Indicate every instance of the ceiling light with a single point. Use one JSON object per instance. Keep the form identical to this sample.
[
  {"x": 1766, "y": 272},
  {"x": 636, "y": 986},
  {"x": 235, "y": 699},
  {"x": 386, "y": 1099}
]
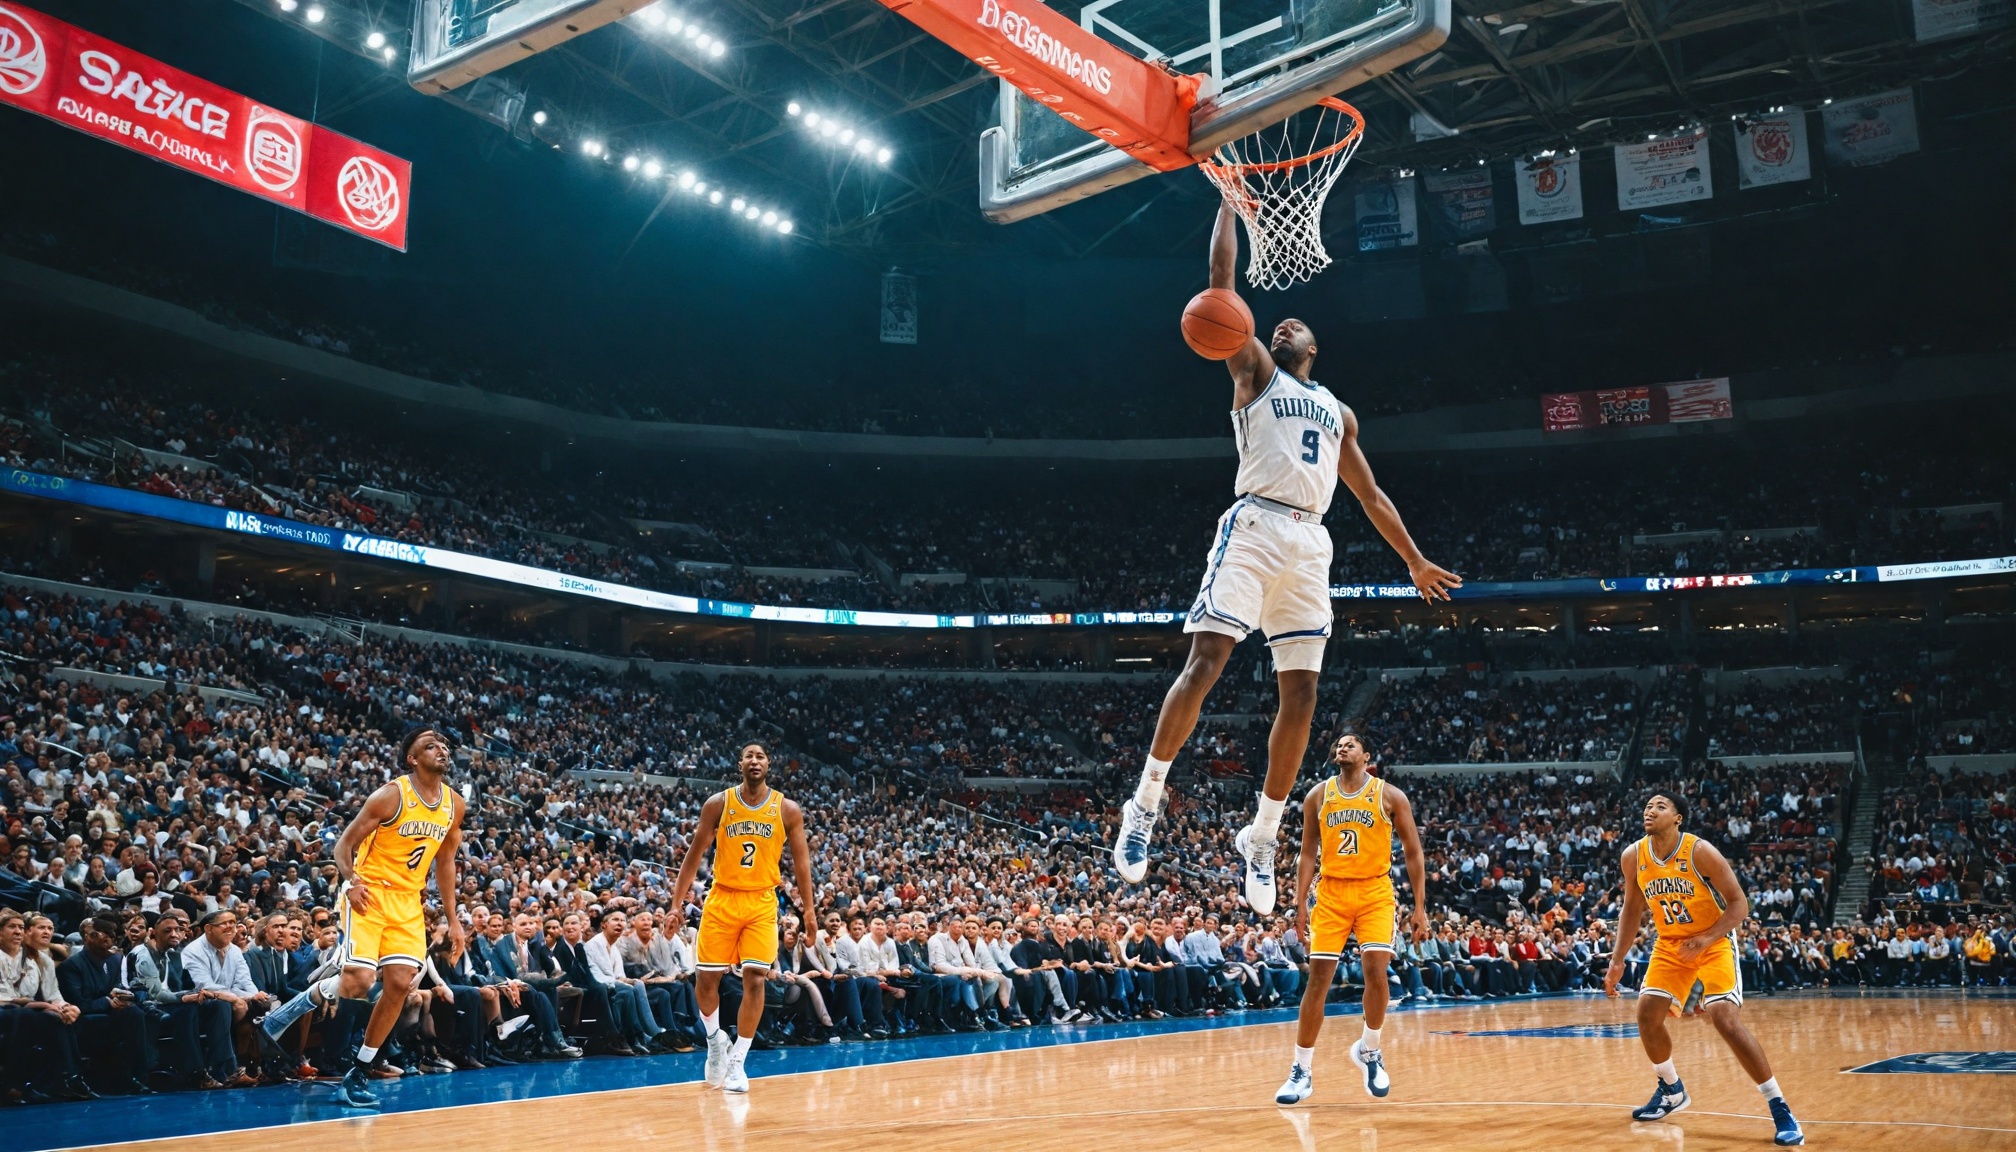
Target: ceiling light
[
  {"x": 685, "y": 179},
  {"x": 738, "y": 204},
  {"x": 829, "y": 128},
  {"x": 864, "y": 146},
  {"x": 714, "y": 197},
  {"x": 769, "y": 217},
  {"x": 784, "y": 226},
  {"x": 390, "y": 52},
  {"x": 289, "y": 5},
  {"x": 539, "y": 117},
  {"x": 592, "y": 147},
  {"x": 375, "y": 41},
  {"x": 1651, "y": 136},
  {"x": 793, "y": 108},
  {"x": 630, "y": 163},
  {"x": 315, "y": 13},
  {"x": 674, "y": 24},
  {"x": 700, "y": 186},
  {"x": 651, "y": 169},
  {"x": 811, "y": 119},
  {"x": 717, "y": 49},
  {"x": 1828, "y": 100},
  {"x": 653, "y": 16},
  {"x": 846, "y": 136},
  {"x": 882, "y": 157},
  {"x": 693, "y": 32}
]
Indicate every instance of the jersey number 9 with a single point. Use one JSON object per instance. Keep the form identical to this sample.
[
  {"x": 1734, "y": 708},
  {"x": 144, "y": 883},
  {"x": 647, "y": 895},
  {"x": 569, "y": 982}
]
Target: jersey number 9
[{"x": 1312, "y": 442}]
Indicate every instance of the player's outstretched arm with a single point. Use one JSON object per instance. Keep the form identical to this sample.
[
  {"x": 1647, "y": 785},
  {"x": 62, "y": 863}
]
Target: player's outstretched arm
[
  {"x": 801, "y": 858},
  {"x": 1433, "y": 583},
  {"x": 445, "y": 873},
  {"x": 1627, "y": 921},
  {"x": 703, "y": 838},
  {"x": 1401, "y": 813},
  {"x": 1251, "y": 366}
]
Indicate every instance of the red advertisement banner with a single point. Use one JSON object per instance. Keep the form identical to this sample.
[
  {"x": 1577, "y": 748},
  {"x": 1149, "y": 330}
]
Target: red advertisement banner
[
  {"x": 1646, "y": 404},
  {"x": 96, "y": 86}
]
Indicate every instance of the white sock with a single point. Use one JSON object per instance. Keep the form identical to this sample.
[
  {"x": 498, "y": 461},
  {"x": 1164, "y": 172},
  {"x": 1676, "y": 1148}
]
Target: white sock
[
  {"x": 741, "y": 1048},
  {"x": 366, "y": 1054},
  {"x": 1148, "y": 793},
  {"x": 1370, "y": 1042},
  {"x": 1769, "y": 1088},
  {"x": 712, "y": 1021},
  {"x": 1667, "y": 1073},
  {"x": 1305, "y": 1058},
  {"x": 1267, "y": 817}
]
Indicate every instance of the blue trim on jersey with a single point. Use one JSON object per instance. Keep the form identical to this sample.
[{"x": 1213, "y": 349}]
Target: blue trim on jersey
[
  {"x": 1323, "y": 631},
  {"x": 1218, "y": 558}
]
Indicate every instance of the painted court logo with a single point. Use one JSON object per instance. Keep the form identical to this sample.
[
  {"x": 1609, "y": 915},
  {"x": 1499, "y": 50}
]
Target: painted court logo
[
  {"x": 23, "y": 61},
  {"x": 369, "y": 193},
  {"x": 1947, "y": 1062}
]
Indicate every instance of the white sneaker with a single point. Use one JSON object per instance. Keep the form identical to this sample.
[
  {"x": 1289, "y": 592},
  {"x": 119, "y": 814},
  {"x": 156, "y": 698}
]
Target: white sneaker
[
  {"x": 736, "y": 1080},
  {"x": 1296, "y": 1088},
  {"x": 508, "y": 1027},
  {"x": 1259, "y": 870},
  {"x": 1377, "y": 1083},
  {"x": 718, "y": 1047},
  {"x": 1130, "y": 844}
]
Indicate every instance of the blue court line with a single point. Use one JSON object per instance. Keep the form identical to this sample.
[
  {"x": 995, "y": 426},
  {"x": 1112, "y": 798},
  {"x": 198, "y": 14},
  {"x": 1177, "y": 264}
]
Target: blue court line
[{"x": 175, "y": 1114}]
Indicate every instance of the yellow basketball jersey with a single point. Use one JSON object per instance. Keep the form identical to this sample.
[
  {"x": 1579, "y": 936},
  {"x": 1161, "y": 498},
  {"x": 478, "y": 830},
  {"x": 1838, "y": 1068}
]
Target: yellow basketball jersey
[
  {"x": 1683, "y": 903},
  {"x": 398, "y": 852},
  {"x": 1357, "y": 836},
  {"x": 749, "y": 844}
]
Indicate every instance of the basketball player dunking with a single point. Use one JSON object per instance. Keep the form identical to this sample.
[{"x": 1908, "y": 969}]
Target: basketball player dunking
[
  {"x": 1699, "y": 904},
  {"x": 383, "y": 858},
  {"x": 1348, "y": 825},
  {"x": 1269, "y": 568},
  {"x": 748, "y": 826}
]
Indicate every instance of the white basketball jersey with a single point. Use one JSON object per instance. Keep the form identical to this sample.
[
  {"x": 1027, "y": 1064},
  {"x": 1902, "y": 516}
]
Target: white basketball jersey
[{"x": 1289, "y": 437}]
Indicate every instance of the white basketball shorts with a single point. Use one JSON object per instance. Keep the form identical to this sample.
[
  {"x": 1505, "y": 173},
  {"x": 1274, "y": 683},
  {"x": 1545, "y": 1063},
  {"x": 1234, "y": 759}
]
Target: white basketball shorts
[{"x": 1269, "y": 572}]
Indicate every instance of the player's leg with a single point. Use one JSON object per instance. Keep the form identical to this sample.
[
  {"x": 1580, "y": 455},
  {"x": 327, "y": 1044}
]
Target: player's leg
[
  {"x": 751, "y": 1019},
  {"x": 1373, "y": 912},
  {"x": 1226, "y": 609},
  {"x": 1722, "y": 999},
  {"x": 1308, "y": 1026},
  {"x": 715, "y": 948},
  {"x": 1666, "y": 983},
  {"x": 1286, "y": 745}
]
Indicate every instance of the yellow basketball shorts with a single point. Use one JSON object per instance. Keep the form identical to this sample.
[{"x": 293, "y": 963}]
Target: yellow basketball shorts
[
  {"x": 1716, "y": 968},
  {"x": 1344, "y": 908},
  {"x": 738, "y": 929},
  {"x": 392, "y": 931}
]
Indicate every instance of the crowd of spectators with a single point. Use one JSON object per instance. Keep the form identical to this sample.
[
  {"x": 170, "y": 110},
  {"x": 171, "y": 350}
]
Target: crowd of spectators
[
  {"x": 1945, "y": 840},
  {"x": 1809, "y": 714},
  {"x": 1464, "y": 717},
  {"x": 201, "y": 815}
]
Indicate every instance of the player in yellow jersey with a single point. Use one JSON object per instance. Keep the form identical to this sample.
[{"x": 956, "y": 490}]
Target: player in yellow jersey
[
  {"x": 748, "y": 827},
  {"x": 383, "y": 857},
  {"x": 1697, "y": 904},
  {"x": 1348, "y": 825}
]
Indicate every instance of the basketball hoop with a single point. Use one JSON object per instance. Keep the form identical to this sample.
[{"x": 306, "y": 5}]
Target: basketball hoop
[{"x": 1277, "y": 180}]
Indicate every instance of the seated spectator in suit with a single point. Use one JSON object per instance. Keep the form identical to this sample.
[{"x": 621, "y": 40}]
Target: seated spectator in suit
[
  {"x": 668, "y": 967},
  {"x": 193, "y": 1028},
  {"x": 571, "y": 954},
  {"x": 923, "y": 989},
  {"x": 112, "y": 1028},
  {"x": 522, "y": 965}
]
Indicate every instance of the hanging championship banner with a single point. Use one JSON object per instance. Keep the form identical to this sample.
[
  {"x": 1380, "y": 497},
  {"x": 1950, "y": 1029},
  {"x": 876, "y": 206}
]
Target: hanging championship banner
[
  {"x": 899, "y": 308},
  {"x": 1772, "y": 149},
  {"x": 1669, "y": 171},
  {"x": 1872, "y": 129},
  {"x": 1386, "y": 215},
  {"x": 1462, "y": 200},
  {"x": 103, "y": 89},
  {"x": 1939, "y": 19},
  {"x": 1550, "y": 189}
]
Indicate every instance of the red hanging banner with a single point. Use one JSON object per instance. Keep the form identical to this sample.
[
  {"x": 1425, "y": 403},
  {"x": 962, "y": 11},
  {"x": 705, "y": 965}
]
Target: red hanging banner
[{"x": 102, "y": 88}]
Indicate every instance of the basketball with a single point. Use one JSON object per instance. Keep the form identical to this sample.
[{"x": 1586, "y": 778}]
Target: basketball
[{"x": 1217, "y": 323}]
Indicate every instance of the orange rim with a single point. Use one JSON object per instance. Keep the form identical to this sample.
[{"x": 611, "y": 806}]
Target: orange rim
[{"x": 1349, "y": 138}]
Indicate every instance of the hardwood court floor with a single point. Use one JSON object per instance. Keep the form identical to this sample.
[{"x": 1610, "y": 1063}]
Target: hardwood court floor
[{"x": 1456, "y": 1085}]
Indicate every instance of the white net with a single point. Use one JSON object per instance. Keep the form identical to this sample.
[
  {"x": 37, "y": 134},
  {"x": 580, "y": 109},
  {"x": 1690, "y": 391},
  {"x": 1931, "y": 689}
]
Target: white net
[{"x": 1277, "y": 180}]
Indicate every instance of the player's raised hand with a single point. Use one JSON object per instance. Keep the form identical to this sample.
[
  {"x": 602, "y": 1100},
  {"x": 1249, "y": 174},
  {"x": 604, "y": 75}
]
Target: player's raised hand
[{"x": 1432, "y": 581}]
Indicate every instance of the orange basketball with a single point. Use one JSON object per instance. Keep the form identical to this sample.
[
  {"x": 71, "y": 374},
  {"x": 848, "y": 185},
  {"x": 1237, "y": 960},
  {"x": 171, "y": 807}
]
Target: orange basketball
[{"x": 1217, "y": 323}]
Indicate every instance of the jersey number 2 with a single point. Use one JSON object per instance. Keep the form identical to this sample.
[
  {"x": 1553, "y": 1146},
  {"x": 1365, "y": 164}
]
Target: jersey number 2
[
  {"x": 748, "y": 854},
  {"x": 1312, "y": 440},
  {"x": 1347, "y": 842}
]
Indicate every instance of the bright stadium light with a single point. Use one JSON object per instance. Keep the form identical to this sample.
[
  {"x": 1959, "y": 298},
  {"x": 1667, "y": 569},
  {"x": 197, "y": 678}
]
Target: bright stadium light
[
  {"x": 793, "y": 108},
  {"x": 289, "y": 5},
  {"x": 592, "y": 147},
  {"x": 539, "y": 117},
  {"x": 714, "y": 197},
  {"x": 693, "y": 32},
  {"x": 700, "y": 186},
  {"x": 864, "y": 146},
  {"x": 738, "y": 204},
  {"x": 882, "y": 157},
  {"x": 753, "y": 212},
  {"x": 717, "y": 49},
  {"x": 769, "y": 217},
  {"x": 784, "y": 226},
  {"x": 375, "y": 41},
  {"x": 316, "y": 13},
  {"x": 390, "y": 53},
  {"x": 846, "y": 136},
  {"x": 674, "y": 24},
  {"x": 652, "y": 16},
  {"x": 811, "y": 119},
  {"x": 686, "y": 180},
  {"x": 651, "y": 169},
  {"x": 829, "y": 128},
  {"x": 630, "y": 163}
]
